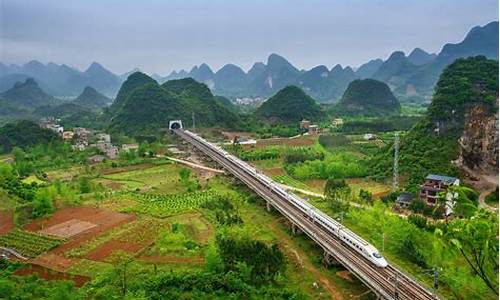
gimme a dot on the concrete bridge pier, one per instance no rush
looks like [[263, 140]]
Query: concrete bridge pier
[[268, 206], [295, 229], [329, 260]]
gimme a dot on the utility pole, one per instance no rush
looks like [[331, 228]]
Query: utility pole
[[434, 272], [383, 242], [192, 117], [436, 283], [395, 175]]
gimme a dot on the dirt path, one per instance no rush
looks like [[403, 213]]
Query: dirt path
[[313, 194], [485, 185], [304, 261], [493, 182], [482, 198], [194, 165], [172, 259], [6, 221]]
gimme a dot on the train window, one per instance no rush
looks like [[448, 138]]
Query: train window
[[377, 255]]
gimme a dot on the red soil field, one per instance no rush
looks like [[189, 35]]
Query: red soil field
[[48, 274], [54, 262], [6, 221], [103, 219], [68, 229], [105, 250]]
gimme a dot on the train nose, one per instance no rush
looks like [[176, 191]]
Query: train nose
[[382, 263]]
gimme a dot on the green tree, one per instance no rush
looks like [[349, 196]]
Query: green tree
[[185, 178], [334, 187], [19, 154], [477, 240], [84, 185], [338, 194], [366, 196], [264, 261], [417, 220], [43, 203]]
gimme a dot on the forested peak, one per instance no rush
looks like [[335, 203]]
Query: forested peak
[[290, 104], [188, 85], [133, 81], [369, 97], [465, 82]]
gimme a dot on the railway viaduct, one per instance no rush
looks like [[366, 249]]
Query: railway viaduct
[[386, 283]]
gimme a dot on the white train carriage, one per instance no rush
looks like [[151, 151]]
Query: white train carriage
[[363, 247]]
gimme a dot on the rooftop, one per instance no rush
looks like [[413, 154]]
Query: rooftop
[[405, 197], [446, 179]]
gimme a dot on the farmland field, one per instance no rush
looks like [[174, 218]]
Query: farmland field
[[161, 206], [27, 243], [163, 178]]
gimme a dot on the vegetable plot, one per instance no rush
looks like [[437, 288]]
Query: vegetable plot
[[161, 206], [28, 243]]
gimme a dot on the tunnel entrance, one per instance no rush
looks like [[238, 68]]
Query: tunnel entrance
[[175, 124]]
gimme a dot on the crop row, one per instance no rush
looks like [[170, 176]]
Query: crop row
[[160, 205], [287, 180], [28, 243]]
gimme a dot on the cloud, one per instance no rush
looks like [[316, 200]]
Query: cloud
[[159, 36]]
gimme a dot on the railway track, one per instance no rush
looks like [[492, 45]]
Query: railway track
[[387, 283]]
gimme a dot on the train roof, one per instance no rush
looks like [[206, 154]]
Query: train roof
[[355, 237]]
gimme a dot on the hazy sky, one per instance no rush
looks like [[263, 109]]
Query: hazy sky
[[159, 36]]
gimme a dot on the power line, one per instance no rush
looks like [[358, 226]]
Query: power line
[[395, 175]]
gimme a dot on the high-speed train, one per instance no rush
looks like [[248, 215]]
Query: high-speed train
[[348, 237]]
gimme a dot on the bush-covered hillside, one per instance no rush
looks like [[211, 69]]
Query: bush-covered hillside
[[290, 105], [432, 145], [368, 97], [91, 98], [148, 107], [134, 81], [24, 134], [27, 95]]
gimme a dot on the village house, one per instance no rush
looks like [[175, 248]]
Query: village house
[[103, 137], [96, 159], [52, 126], [313, 129], [68, 135], [109, 149], [436, 184], [338, 122], [304, 124], [128, 147], [404, 200]]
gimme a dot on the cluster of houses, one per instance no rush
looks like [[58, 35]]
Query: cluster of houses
[[429, 193], [52, 124], [81, 139]]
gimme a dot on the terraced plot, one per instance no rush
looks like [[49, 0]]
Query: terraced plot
[[28, 243], [161, 205], [163, 178]]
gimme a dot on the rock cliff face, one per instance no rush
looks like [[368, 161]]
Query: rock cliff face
[[479, 140]]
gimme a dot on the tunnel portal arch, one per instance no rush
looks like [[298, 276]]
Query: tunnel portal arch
[[175, 124]]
